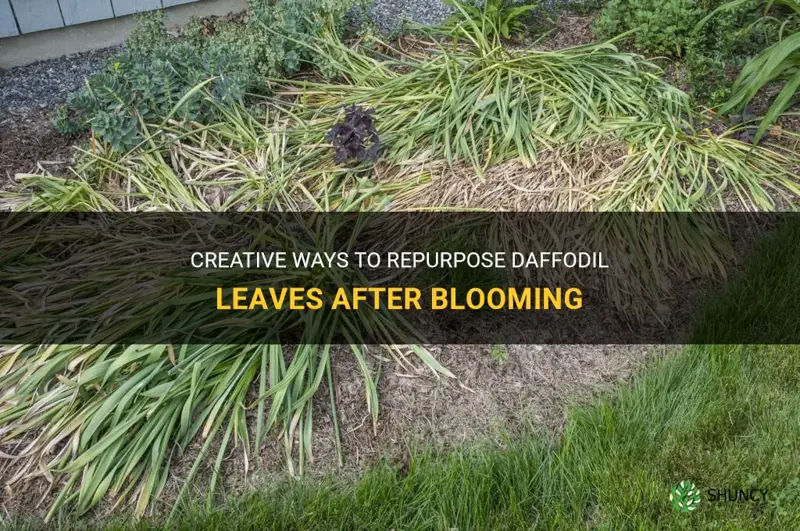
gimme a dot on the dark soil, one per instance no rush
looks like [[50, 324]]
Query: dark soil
[[28, 141], [28, 96]]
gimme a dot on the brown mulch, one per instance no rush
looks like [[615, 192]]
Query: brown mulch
[[570, 30], [27, 140]]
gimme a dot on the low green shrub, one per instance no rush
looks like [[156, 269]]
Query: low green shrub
[[664, 27], [134, 88], [712, 51], [153, 78], [722, 44], [157, 72]]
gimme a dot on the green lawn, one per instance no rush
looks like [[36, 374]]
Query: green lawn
[[721, 417]]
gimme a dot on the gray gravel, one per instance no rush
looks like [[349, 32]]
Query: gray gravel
[[390, 14], [47, 83]]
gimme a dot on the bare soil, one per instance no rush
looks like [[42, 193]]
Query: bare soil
[[28, 140]]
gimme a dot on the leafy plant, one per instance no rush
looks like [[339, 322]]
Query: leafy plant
[[493, 18], [150, 34], [281, 30], [117, 128], [485, 104], [355, 138], [779, 63], [674, 28], [65, 122], [662, 26], [134, 89], [499, 353], [156, 72]]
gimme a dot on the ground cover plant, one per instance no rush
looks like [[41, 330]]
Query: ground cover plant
[[441, 104], [355, 138], [711, 47]]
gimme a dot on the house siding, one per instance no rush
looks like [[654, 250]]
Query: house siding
[[8, 25], [28, 16]]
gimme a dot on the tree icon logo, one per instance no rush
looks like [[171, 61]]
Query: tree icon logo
[[685, 496]]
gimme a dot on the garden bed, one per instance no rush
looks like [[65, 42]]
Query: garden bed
[[623, 140], [28, 94]]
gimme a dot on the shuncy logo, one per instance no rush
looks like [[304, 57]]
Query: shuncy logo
[[685, 496]]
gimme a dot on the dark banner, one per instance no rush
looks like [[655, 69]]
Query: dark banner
[[254, 278]]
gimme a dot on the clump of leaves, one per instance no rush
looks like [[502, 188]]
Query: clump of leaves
[[355, 139], [499, 353], [135, 88], [493, 18], [663, 27], [277, 32], [64, 120], [776, 64], [117, 128], [150, 34]]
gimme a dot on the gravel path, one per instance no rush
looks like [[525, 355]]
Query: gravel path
[[48, 83], [390, 14]]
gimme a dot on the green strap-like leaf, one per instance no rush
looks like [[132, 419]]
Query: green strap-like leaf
[[781, 103]]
